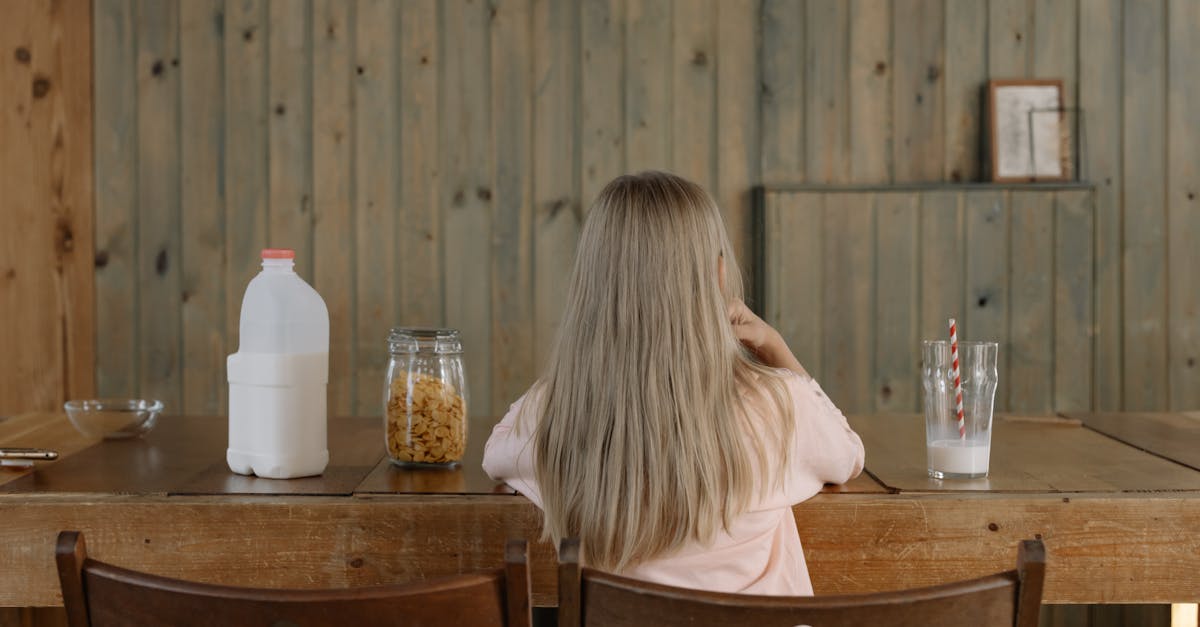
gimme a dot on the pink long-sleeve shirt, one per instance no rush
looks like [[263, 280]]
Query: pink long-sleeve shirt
[[760, 553]]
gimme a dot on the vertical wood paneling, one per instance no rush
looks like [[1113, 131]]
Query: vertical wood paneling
[[46, 254], [602, 101], [942, 262], [1031, 298], [332, 185], [870, 91], [245, 154], [647, 85], [966, 72], [115, 108], [896, 349], [783, 97], [883, 281], [730, 93], [737, 123], [1074, 295], [1055, 32], [289, 132], [376, 203], [986, 253], [1144, 220], [793, 233], [826, 88], [847, 245], [466, 216], [158, 259], [693, 91], [557, 209], [1183, 206], [1008, 38], [1100, 88], [202, 205], [419, 229], [918, 104], [512, 364]]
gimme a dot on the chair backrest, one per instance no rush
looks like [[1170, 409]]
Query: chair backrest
[[592, 598], [97, 594]]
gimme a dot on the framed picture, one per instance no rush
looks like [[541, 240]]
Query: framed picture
[[1028, 131]]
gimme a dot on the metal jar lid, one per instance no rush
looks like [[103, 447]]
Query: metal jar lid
[[411, 340]]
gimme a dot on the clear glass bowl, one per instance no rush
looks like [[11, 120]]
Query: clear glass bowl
[[113, 418]]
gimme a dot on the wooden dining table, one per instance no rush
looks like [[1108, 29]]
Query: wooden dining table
[[1115, 498]]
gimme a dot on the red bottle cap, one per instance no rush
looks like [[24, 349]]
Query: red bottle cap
[[278, 253]]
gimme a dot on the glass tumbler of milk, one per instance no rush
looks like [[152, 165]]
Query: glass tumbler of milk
[[957, 451]]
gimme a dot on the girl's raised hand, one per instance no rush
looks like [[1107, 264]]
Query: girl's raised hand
[[763, 340]]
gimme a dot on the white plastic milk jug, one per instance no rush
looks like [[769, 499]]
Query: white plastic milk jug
[[277, 379]]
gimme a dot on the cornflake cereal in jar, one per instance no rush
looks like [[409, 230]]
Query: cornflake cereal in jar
[[426, 420]]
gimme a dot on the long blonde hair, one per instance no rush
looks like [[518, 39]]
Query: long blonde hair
[[641, 443]]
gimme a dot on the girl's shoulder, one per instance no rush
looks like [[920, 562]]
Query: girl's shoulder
[[800, 391]]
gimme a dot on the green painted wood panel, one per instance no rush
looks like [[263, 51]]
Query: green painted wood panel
[[246, 180], [1183, 203], [202, 205], [918, 103], [826, 89], [693, 105], [418, 241], [375, 198], [1074, 299], [869, 109], [783, 98], [896, 358], [602, 106], [511, 322], [158, 229], [986, 250], [793, 273], [466, 178], [966, 72], [389, 109], [847, 300], [648, 114], [737, 126], [1143, 237], [289, 130], [557, 206], [942, 261], [333, 185], [1100, 96], [116, 158], [1031, 302], [864, 273]]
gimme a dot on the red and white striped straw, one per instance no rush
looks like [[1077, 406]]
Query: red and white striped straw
[[958, 399]]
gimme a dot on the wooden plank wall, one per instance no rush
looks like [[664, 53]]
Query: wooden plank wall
[[46, 325], [431, 162], [854, 284], [906, 106]]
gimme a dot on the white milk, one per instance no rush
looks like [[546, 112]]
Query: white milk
[[278, 378], [959, 457]]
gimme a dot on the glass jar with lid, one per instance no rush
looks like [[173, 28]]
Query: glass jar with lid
[[425, 398]]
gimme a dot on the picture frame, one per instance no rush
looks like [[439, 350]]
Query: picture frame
[[1028, 135]]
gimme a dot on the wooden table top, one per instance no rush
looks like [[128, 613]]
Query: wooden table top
[[1118, 508], [185, 455]]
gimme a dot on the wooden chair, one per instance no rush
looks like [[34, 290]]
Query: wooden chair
[[100, 594], [597, 599]]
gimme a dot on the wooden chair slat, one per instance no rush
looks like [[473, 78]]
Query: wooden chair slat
[[593, 598], [100, 594]]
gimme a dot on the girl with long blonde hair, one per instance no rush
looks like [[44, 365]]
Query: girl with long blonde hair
[[672, 429]]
